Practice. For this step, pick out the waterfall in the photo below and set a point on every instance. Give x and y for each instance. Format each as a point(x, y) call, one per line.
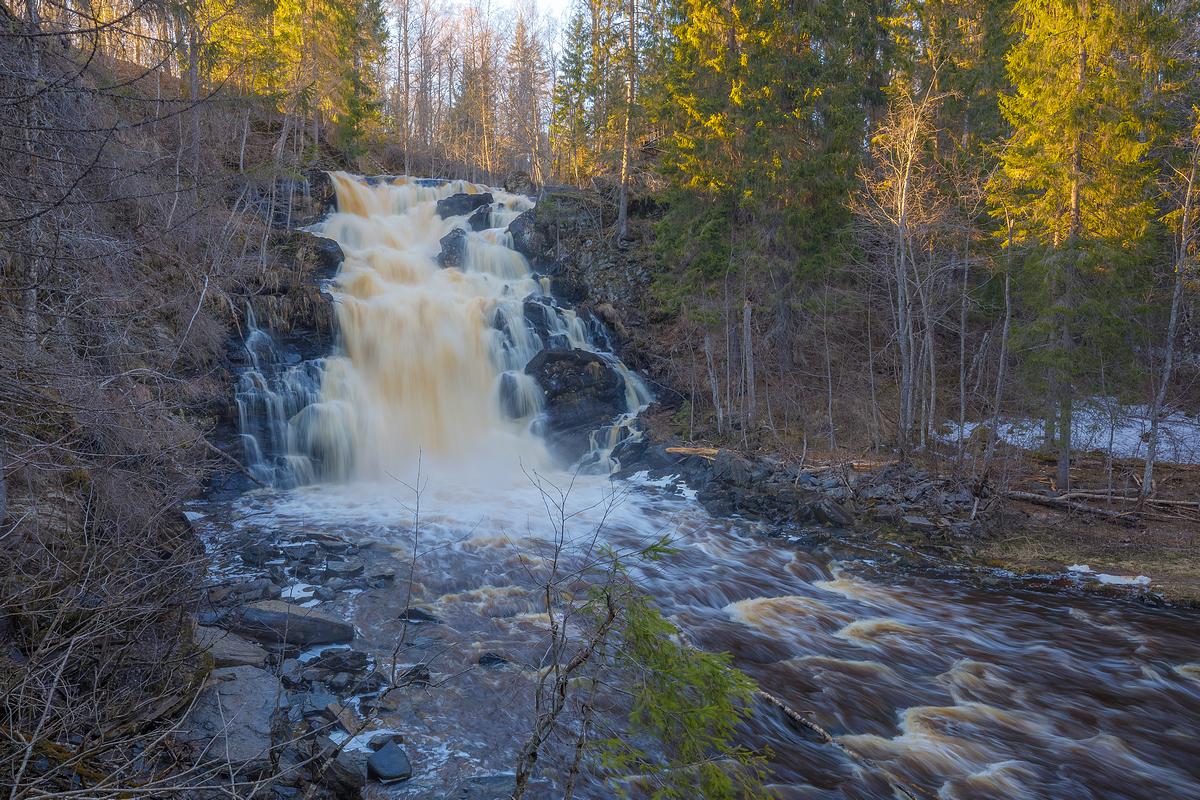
point(430, 362)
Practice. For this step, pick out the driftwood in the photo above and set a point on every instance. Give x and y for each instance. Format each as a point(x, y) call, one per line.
point(704, 452)
point(900, 785)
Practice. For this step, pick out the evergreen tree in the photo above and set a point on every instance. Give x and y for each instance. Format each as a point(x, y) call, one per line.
point(1075, 175)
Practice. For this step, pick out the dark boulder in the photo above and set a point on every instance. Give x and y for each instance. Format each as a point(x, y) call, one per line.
point(514, 402)
point(389, 764)
point(456, 205)
point(583, 393)
point(279, 622)
point(530, 239)
point(329, 256)
point(481, 219)
point(541, 315)
point(454, 249)
point(568, 290)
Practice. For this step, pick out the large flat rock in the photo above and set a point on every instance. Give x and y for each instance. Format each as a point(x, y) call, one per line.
point(231, 720)
point(276, 621)
point(228, 649)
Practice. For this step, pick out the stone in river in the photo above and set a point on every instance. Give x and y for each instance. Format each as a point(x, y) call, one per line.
point(343, 568)
point(277, 621)
point(389, 763)
point(462, 203)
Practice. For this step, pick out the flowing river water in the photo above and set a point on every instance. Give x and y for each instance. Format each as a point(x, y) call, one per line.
point(962, 692)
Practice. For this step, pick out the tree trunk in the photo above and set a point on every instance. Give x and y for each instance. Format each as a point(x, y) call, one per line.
point(712, 381)
point(1182, 252)
point(1066, 395)
point(748, 361)
point(1002, 367)
point(631, 66)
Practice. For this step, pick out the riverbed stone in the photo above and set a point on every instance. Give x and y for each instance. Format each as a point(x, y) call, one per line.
point(456, 205)
point(454, 249)
point(344, 568)
point(389, 764)
point(828, 511)
point(583, 392)
point(277, 621)
point(231, 720)
point(228, 649)
point(480, 219)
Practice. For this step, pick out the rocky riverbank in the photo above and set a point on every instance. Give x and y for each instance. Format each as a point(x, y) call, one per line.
point(299, 700)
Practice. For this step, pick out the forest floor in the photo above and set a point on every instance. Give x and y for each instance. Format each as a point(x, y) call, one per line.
point(1161, 541)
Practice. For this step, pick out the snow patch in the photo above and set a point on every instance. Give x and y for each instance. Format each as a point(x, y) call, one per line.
point(1102, 424)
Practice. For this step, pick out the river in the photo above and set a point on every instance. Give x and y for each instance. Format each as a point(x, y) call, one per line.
point(400, 446)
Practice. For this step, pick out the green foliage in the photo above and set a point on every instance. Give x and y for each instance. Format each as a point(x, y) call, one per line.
point(1075, 178)
point(691, 703)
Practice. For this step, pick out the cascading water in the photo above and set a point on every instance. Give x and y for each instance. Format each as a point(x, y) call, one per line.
point(275, 387)
point(431, 359)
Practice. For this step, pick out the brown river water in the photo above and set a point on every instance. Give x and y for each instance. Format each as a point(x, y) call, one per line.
point(961, 692)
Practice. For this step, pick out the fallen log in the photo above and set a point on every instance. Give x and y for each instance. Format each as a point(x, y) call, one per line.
point(1064, 503)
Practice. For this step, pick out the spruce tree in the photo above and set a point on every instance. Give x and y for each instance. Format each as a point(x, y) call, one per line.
point(1075, 176)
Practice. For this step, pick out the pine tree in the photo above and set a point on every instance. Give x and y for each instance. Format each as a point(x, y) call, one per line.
point(1075, 173)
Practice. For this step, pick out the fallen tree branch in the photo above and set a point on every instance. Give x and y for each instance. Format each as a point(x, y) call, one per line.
point(241, 467)
point(900, 785)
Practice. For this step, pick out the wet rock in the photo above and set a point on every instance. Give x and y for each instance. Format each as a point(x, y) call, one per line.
point(583, 392)
point(528, 238)
point(492, 660)
point(346, 773)
point(339, 660)
point(306, 551)
point(231, 720)
point(311, 704)
point(228, 649)
point(456, 205)
point(417, 615)
point(347, 568)
point(325, 593)
point(380, 739)
point(257, 554)
point(454, 249)
point(332, 544)
point(276, 621)
point(242, 592)
point(731, 467)
point(389, 764)
point(481, 219)
point(541, 315)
